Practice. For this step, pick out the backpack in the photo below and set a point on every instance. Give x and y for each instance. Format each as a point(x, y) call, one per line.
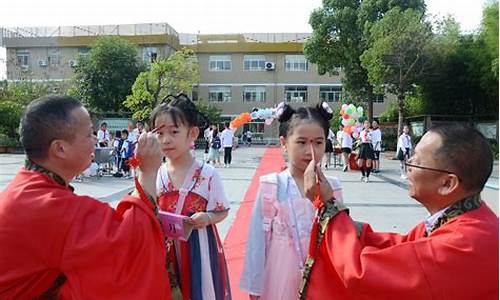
point(216, 142)
point(130, 149)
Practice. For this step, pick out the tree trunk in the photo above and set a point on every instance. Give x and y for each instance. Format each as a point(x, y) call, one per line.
point(370, 105)
point(401, 105)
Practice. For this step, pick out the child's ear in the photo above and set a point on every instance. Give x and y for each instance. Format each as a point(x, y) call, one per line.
point(194, 132)
point(283, 143)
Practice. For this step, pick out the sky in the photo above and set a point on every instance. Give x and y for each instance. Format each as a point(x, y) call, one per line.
point(193, 16)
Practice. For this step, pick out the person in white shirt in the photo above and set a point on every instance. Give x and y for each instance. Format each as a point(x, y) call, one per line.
point(103, 135)
point(134, 134)
point(329, 148)
point(346, 145)
point(365, 155)
point(248, 136)
point(377, 146)
point(227, 137)
point(207, 134)
point(404, 150)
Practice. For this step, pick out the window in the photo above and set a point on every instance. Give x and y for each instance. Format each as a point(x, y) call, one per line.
point(54, 56)
point(254, 94)
point(23, 57)
point(257, 129)
point(296, 93)
point(330, 93)
point(219, 63)
point(149, 54)
point(296, 63)
point(219, 93)
point(378, 98)
point(254, 62)
point(83, 52)
point(194, 93)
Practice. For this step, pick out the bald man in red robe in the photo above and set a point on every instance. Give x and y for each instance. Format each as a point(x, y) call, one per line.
point(453, 254)
point(55, 244)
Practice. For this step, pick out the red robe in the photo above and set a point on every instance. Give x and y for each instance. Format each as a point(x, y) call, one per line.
point(459, 260)
point(46, 230)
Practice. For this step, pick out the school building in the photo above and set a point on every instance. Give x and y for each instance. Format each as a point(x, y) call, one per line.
point(237, 71)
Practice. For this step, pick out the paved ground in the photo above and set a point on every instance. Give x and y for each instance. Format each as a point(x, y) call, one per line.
point(383, 202)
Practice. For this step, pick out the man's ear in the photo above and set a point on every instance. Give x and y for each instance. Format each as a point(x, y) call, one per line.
point(449, 184)
point(57, 149)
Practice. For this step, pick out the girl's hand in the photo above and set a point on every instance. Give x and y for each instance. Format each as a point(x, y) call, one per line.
point(199, 220)
point(311, 173)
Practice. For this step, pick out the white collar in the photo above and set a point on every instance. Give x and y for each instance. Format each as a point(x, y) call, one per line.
point(431, 220)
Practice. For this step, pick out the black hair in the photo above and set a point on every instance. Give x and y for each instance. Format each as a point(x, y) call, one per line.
point(291, 117)
point(181, 109)
point(125, 131)
point(215, 132)
point(104, 124)
point(44, 120)
point(118, 134)
point(466, 152)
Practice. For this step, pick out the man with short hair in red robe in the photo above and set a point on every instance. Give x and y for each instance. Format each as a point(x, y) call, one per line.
point(453, 254)
point(55, 244)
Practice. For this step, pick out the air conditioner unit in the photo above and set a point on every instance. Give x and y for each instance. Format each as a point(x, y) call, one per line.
point(72, 63)
point(270, 65)
point(42, 63)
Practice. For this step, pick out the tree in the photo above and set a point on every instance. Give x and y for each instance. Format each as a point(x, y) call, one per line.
point(458, 78)
point(211, 112)
point(169, 76)
point(104, 78)
point(341, 33)
point(489, 34)
point(13, 99)
point(394, 61)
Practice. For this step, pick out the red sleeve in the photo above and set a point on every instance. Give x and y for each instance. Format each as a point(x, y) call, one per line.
point(112, 254)
point(379, 266)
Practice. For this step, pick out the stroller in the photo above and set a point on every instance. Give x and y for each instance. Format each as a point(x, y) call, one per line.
point(104, 158)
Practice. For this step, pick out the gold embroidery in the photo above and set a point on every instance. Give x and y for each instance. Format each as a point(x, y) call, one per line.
point(457, 209)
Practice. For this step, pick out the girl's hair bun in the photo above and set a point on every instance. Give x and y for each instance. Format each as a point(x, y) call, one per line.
point(325, 110)
point(284, 112)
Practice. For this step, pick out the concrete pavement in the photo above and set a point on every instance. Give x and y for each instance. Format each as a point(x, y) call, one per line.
point(383, 202)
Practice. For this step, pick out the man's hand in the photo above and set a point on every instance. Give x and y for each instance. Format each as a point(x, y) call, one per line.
point(149, 153)
point(312, 171)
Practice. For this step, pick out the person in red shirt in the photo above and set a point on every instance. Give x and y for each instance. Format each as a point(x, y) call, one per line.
point(453, 254)
point(55, 244)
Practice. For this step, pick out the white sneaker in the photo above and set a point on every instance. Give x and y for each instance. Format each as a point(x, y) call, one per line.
point(403, 176)
point(367, 179)
point(362, 178)
point(345, 168)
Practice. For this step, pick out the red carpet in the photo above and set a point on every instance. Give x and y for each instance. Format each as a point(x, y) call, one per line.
point(235, 242)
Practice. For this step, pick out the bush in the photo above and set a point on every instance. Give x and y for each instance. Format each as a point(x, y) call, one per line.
point(11, 114)
point(494, 148)
point(9, 141)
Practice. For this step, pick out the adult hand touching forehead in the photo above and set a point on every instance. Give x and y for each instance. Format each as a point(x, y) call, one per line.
point(149, 153)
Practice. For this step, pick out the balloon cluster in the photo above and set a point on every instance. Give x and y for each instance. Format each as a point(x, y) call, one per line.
point(351, 118)
point(266, 114)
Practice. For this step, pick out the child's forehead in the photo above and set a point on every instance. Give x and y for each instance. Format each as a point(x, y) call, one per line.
point(308, 130)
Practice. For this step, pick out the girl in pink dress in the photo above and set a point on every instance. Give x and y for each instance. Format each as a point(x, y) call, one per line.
point(197, 267)
point(278, 239)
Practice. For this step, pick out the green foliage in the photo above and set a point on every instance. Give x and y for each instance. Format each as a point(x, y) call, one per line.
point(175, 74)
point(489, 34)
point(494, 148)
point(341, 33)
point(335, 121)
point(211, 112)
point(13, 99)
point(395, 59)
point(104, 78)
point(8, 141)
point(458, 78)
point(414, 105)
